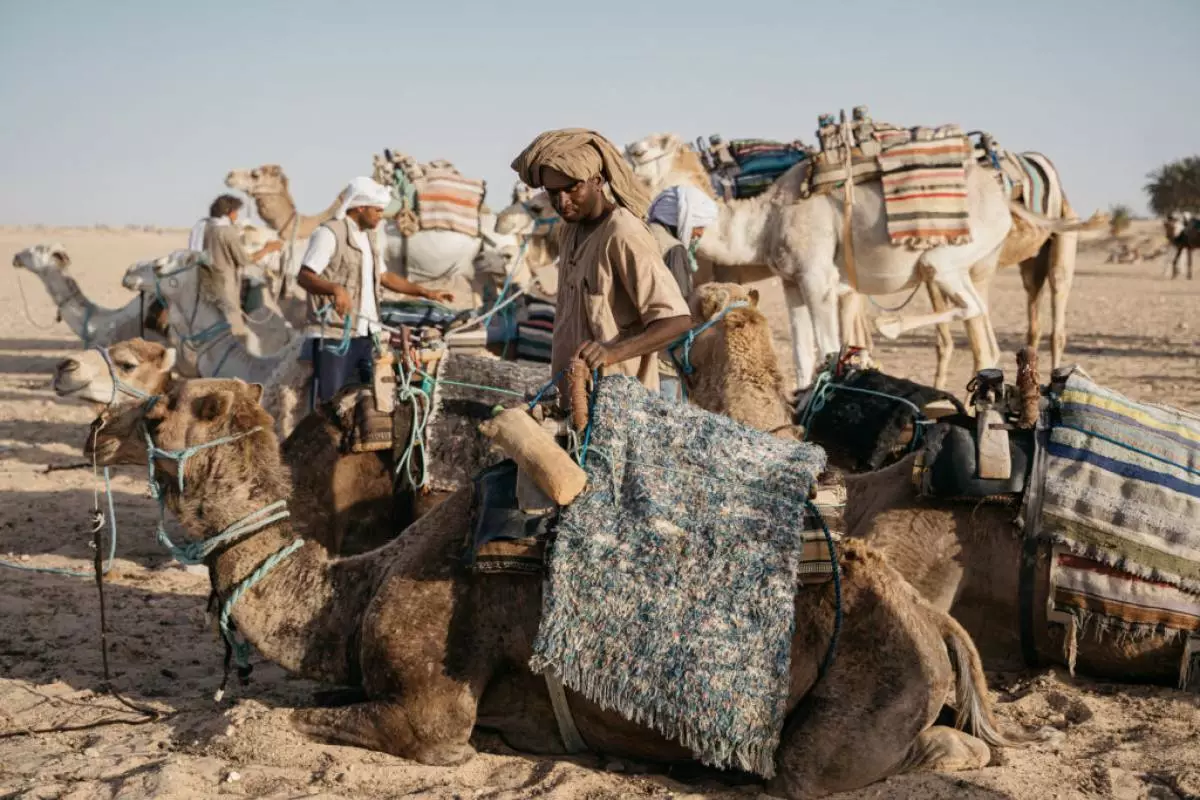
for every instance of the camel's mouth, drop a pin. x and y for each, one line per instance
(19, 261)
(102, 449)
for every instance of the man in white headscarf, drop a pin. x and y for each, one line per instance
(344, 273)
(678, 217)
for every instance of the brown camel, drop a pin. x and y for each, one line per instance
(962, 558)
(131, 368)
(439, 650)
(273, 201)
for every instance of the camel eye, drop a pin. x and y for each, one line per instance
(126, 366)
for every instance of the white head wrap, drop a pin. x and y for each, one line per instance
(684, 208)
(363, 192)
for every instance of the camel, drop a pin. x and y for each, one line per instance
(427, 257)
(1183, 231)
(662, 160)
(963, 558)
(94, 324)
(439, 650)
(102, 375)
(202, 318)
(532, 220)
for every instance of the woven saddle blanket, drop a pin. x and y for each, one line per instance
(466, 388)
(758, 163)
(1122, 496)
(672, 579)
(923, 174)
(446, 201)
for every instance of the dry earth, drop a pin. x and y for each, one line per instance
(1131, 329)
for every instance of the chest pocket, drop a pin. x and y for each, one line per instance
(594, 298)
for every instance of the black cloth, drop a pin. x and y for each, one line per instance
(681, 270)
(332, 371)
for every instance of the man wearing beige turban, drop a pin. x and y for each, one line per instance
(617, 304)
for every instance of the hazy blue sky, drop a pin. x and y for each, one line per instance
(134, 111)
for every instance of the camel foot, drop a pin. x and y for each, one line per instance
(942, 749)
(890, 327)
(383, 727)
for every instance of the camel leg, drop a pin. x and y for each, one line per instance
(803, 343)
(1033, 277)
(432, 728)
(819, 289)
(943, 749)
(945, 341)
(1062, 273)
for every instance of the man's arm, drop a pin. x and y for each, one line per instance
(394, 282)
(270, 247)
(655, 337)
(312, 283)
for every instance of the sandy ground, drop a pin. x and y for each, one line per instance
(1130, 328)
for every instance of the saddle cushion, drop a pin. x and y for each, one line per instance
(946, 465)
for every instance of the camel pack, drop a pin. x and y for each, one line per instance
(433, 196)
(744, 168)
(1108, 487)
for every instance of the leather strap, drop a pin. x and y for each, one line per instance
(572, 741)
(1031, 521)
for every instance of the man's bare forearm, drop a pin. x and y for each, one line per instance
(312, 283)
(658, 335)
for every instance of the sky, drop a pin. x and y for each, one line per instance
(134, 112)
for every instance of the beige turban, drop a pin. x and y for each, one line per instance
(582, 154)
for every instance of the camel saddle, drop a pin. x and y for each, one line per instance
(504, 539)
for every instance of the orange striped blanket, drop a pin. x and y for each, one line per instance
(447, 201)
(925, 185)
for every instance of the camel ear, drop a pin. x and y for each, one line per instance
(168, 359)
(255, 392)
(214, 406)
(754, 298)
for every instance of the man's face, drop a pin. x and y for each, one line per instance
(574, 200)
(233, 215)
(367, 217)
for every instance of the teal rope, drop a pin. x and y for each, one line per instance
(685, 342)
(240, 649)
(587, 432)
(112, 545)
(117, 383)
(343, 346)
(207, 335)
(837, 589)
(824, 386)
(496, 389)
(196, 552)
(419, 402)
(537, 398)
(224, 357)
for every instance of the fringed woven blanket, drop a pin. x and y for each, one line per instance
(455, 447)
(925, 186)
(1123, 492)
(1032, 179)
(447, 201)
(672, 581)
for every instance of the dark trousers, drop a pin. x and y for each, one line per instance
(332, 371)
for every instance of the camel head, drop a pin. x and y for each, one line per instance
(267, 179)
(653, 157)
(710, 299)
(521, 192)
(532, 215)
(98, 375)
(42, 257)
(192, 413)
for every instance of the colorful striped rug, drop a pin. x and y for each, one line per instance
(1122, 506)
(1032, 179)
(925, 186)
(446, 201)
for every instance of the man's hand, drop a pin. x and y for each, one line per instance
(595, 355)
(273, 246)
(438, 296)
(342, 300)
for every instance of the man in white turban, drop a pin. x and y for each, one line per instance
(678, 217)
(344, 273)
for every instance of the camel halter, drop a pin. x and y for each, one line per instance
(118, 385)
(197, 552)
(684, 363)
(210, 335)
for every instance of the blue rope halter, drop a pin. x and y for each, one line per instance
(685, 342)
(118, 385)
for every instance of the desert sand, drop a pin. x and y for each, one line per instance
(1129, 328)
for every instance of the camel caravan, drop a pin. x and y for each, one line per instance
(642, 541)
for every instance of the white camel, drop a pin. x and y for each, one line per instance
(94, 324)
(429, 257)
(204, 333)
(662, 160)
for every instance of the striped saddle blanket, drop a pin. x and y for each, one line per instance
(535, 331)
(758, 163)
(1122, 505)
(925, 186)
(1031, 178)
(446, 201)
(923, 174)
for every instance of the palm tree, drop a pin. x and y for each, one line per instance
(1175, 187)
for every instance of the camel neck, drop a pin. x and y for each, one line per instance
(86, 319)
(737, 237)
